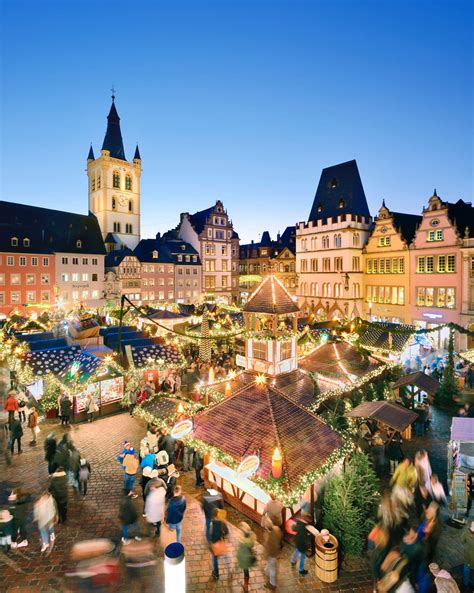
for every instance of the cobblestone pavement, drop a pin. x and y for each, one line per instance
(96, 516)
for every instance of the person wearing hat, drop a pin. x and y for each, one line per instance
(468, 541)
(272, 538)
(146, 477)
(443, 579)
(6, 529)
(130, 466)
(245, 552)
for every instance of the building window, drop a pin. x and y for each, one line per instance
(30, 296)
(75, 261)
(75, 295)
(79, 244)
(34, 261)
(15, 279)
(451, 263)
(435, 235)
(326, 264)
(64, 277)
(95, 294)
(114, 203)
(429, 264)
(369, 266)
(128, 183)
(15, 298)
(384, 242)
(26, 242)
(2, 298)
(75, 277)
(441, 263)
(64, 260)
(355, 264)
(450, 298)
(30, 279)
(14, 242)
(116, 227)
(85, 277)
(93, 184)
(98, 181)
(22, 261)
(116, 179)
(285, 350)
(260, 349)
(441, 300)
(420, 265)
(44, 278)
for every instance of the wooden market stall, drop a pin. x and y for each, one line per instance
(387, 414)
(417, 385)
(460, 463)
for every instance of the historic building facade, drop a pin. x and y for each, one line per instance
(123, 276)
(114, 188)
(329, 246)
(75, 260)
(212, 235)
(436, 264)
(387, 266)
(257, 260)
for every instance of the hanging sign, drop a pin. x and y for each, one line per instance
(248, 466)
(182, 429)
(459, 492)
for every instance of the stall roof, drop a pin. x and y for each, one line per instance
(392, 415)
(420, 380)
(462, 429)
(304, 440)
(84, 366)
(163, 314)
(168, 353)
(377, 337)
(52, 360)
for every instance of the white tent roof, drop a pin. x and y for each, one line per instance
(462, 429)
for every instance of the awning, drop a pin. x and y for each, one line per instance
(392, 415)
(462, 429)
(244, 484)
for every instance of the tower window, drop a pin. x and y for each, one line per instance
(116, 227)
(128, 182)
(93, 184)
(130, 206)
(341, 203)
(114, 203)
(333, 183)
(116, 179)
(128, 228)
(14, 242)
(320, 208)
(98, 182)
(155, 254)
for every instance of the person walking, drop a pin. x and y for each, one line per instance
(83, 475)
(16, 432)
(65, 408)
(58, 489)
(301, 542)
(188, 456)
(423, 469)
(6, 529)
(50, 447)
(394, 452)
(405, 475)
(11, 405)
(155, 506)
(245, 552)
(468, 542)
(198, 464)
(128, 516)
(73, 470)
(217, 532)
(130, 465)
(22, 403)
(175, 511)
(63, 450)
(91, 407)
(168, 443)
(132, 399)
(272, 538)
(274, 511)
(19, 500)
(45, 514)
(33, 425)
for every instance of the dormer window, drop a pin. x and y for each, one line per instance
(183, 247)
(14, 242)
(79, 244)
(319, 208)
(26, 242)
(155, 254)
(341, 204)
(333, 183)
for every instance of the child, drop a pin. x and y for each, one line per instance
(6, 530)
(83, 475)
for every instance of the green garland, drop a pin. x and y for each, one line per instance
(409, 329)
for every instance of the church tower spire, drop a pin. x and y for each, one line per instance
(114, 187)
(113, 136)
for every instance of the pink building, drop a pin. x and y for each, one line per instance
(436, 267)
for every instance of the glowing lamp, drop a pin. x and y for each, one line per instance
(277, 463)
(180, 409)
(228, 389)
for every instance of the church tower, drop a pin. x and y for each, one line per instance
(114, 188)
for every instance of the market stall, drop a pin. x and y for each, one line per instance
(416, 387)
(460, 464)
(160, 363)
(386, 414)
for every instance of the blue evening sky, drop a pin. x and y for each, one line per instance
(240, 101)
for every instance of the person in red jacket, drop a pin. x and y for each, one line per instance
(11, 406)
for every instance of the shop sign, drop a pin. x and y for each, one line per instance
(248, 466)
(240, 360)
(182, 429)
(433, 315)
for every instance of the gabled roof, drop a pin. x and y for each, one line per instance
(303, 439)
(115, 258)
(51, 360)
(168, 250)
(392, 415)
(406, 224)
(198, 219)
(461, 215)
(28, 232)
(420, 380)
(110, 238)
(59, 231)
(161, 354)
(340, 191)
(271, 297)
(113, 136)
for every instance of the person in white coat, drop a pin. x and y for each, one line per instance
(45, 515)
(155, 506)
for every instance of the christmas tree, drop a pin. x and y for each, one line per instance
(205, 342)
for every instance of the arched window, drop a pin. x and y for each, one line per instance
(98, 181)
(116, 179)
(329, 290)
(130, 205)
(336, 290)
(114, 203)
(128, 182)
(316, 292)
(355, 239)
(155, 254)
(93, 184)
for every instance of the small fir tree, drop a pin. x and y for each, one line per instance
(350, 504)
(449, 387)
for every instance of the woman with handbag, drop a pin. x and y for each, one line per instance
(219, 547)
(245, 552)
(33, 425)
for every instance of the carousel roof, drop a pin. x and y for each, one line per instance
(52, 360)
(271, 297)
(169, 354)
(304, 440)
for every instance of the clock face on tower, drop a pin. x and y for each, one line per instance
(123, 201)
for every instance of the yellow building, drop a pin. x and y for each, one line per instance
(114, 188)
(386, 263)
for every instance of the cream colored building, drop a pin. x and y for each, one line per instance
(387, 267)
(329, 246)
(114, 188)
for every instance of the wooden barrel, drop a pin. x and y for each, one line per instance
(326, 559)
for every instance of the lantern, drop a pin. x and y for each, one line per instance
(228, 389)
(277, 463)
(180, 409)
